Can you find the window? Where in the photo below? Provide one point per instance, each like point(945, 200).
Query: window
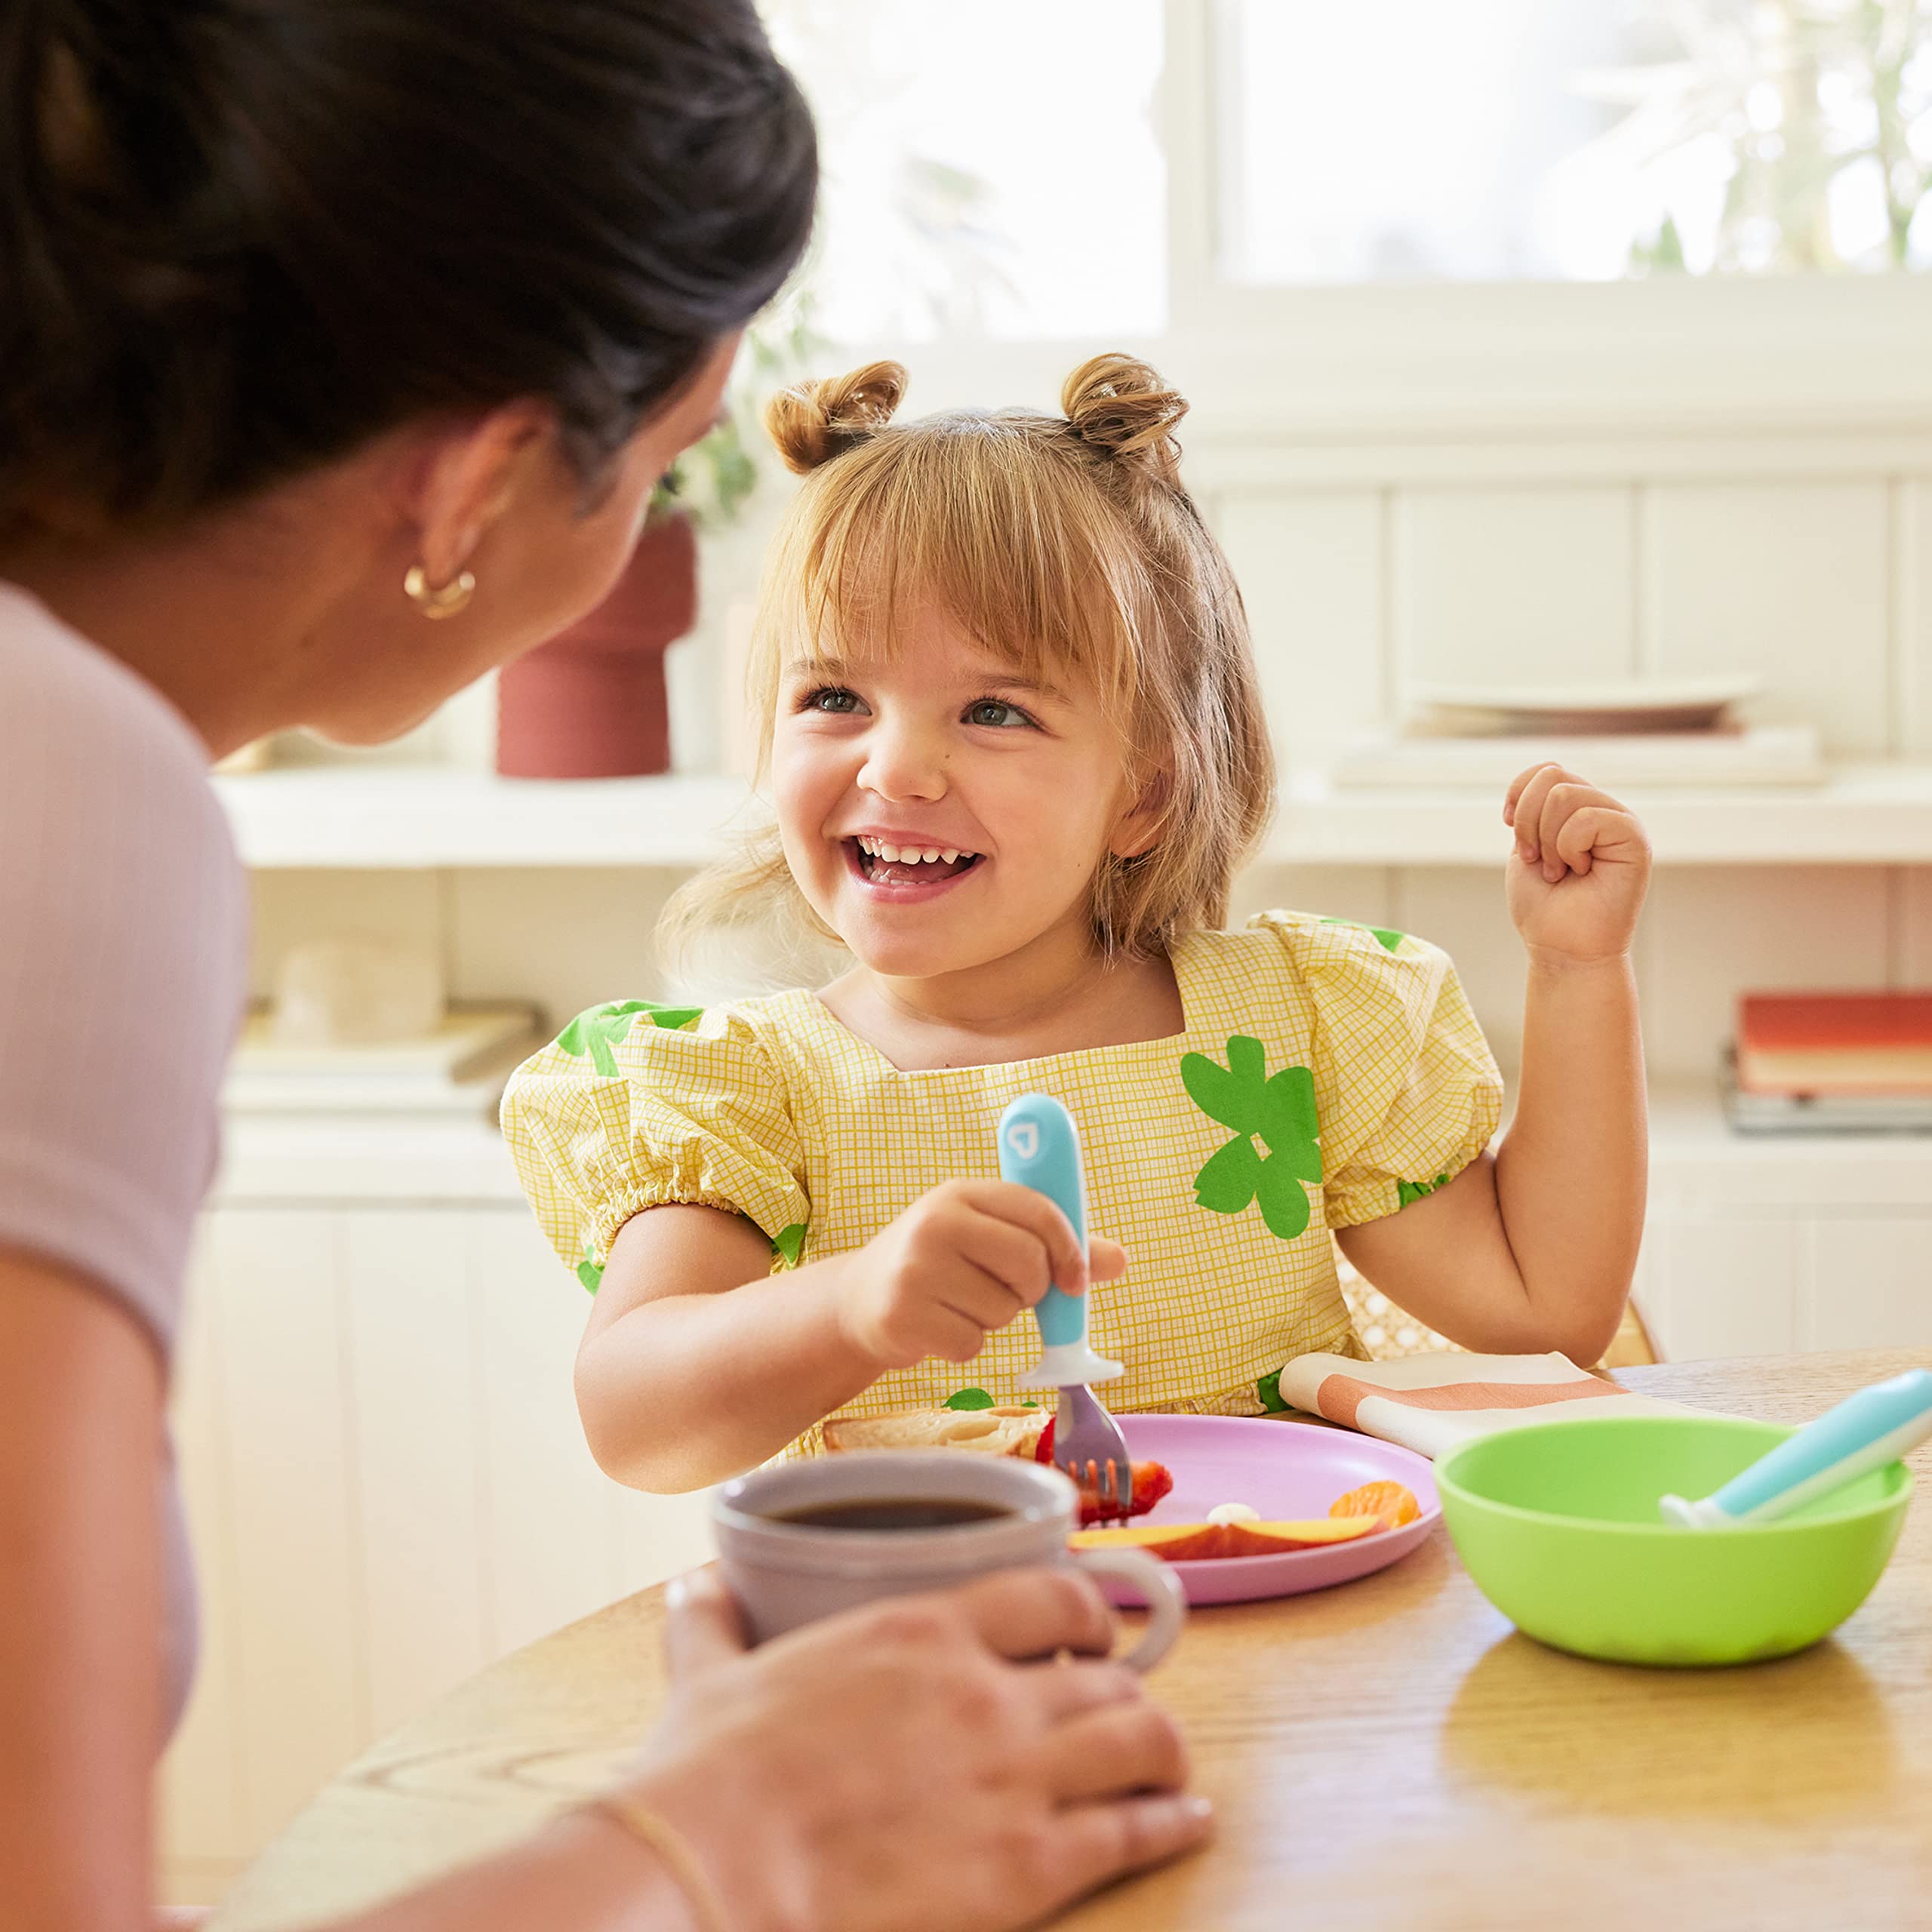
point(992, 171)
point(1570, 140)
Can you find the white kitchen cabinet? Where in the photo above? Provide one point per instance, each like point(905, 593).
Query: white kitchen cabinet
point(386, 1480)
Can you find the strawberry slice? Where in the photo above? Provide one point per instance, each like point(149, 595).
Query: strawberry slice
point(1151, 1481)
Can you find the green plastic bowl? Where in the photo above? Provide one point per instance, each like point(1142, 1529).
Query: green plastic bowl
point(1558, 1522)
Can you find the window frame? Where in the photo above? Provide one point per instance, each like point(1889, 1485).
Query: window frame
point(1417, 363)
point(1836, 351)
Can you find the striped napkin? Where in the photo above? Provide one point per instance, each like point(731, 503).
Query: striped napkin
point(1430, 1403)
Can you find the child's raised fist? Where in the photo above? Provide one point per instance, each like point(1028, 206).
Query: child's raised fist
point(1580, 869)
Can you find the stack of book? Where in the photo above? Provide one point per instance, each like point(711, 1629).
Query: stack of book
point(1844, 1063)
point(459, 1071)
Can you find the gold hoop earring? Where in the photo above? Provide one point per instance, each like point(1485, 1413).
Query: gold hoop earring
point(443, 603)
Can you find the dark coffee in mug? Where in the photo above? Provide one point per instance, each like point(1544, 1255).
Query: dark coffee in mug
point(898, 1513)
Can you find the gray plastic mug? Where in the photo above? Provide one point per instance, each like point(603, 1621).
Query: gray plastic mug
point(786, 1574)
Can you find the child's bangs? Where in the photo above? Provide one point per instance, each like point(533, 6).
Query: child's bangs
point(980, 522)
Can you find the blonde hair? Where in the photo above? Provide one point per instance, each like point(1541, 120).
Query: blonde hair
point(1065, 546)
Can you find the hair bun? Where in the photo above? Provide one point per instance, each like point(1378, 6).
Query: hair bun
point(813, 421)
point(1124, 410)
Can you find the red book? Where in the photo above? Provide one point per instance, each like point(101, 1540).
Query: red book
point(1835, 1043)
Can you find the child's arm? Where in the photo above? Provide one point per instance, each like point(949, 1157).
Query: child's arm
point(698, 1363)
point(1533, 1249)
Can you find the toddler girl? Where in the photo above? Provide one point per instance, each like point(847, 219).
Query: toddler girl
point(1016, 746)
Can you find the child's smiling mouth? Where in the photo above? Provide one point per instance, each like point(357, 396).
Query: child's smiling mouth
point(906, 870)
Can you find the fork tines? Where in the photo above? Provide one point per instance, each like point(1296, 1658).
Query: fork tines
point(1111, 1486)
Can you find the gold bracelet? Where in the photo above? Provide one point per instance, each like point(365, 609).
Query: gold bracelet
point(674, 1849)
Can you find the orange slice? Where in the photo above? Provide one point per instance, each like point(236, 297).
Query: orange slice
point(1390, 1501)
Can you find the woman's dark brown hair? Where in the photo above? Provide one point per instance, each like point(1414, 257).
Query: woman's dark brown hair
point(237, 238)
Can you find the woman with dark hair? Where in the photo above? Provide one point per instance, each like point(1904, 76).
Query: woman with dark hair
point(341, 342)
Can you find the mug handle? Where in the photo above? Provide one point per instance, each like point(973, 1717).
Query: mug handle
point(1167, 1601)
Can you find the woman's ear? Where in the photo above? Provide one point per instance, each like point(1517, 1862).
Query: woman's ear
point(466, 479)
point(1140, 827)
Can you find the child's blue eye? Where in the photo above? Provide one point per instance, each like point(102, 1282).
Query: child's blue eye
point(834, 699)
point(992, 712)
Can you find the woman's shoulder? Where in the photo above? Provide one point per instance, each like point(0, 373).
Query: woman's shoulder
point(91, 748)
point(123, 945)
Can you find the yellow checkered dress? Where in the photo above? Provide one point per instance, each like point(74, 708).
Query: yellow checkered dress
point(1329, 1073)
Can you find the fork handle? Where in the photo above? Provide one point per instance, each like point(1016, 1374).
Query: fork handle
point(1039, 1147)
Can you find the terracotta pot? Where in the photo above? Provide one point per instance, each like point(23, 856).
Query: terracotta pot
point(591, 703)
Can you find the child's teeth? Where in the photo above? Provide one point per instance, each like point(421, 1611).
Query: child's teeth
point(930, 856)
point(890, 853)
point(948, 855)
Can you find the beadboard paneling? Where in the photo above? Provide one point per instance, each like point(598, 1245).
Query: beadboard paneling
point(1311, 566)
point(1789, 580)
point(412, 1351)
point(274, 1282)
point(549, 1556)
point(200, 1809)
point(568, 939)
point(1523, 587)
point(1730, 1285)
point(387, 1485)
point(1911, 616)
point(1364, 892)
point(1711, 934)
point(1461, 909)
point(1871, 1285)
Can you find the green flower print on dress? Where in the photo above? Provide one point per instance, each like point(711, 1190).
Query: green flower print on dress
point(1388, 937)
point(591, 1035)
point(1277, 1108)
point(588, 1272)
point(1407, 1191)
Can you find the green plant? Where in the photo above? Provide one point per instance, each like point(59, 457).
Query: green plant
point(711, 482)
point(1809, 121)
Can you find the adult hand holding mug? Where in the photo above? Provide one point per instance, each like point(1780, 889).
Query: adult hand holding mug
point(994, 1787)
point(808, 1539)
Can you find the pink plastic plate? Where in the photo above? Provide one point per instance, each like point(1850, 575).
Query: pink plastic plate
point(1288, 1472)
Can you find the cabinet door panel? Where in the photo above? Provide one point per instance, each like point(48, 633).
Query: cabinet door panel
point(294, 1623)
point(1725, 1287)
point(200, 1792)
point(551, 1556)
point(418, 1453)
point(1872, 1286)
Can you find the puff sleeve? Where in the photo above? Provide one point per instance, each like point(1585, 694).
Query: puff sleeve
point(1407, 1090)
point(637, 1105)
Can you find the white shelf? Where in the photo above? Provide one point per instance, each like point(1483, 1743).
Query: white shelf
point(1874, 814)
point(1699, 1165)
point(1697, 1161)
point(403, 818)
point(311, 1159)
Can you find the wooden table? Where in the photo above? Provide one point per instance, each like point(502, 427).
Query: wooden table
point(1391, 1754)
